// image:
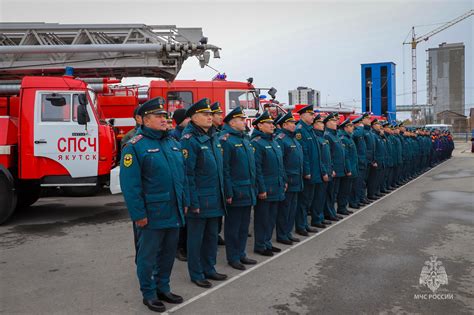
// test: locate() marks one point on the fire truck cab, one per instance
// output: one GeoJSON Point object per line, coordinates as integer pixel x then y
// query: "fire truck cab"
{"type": "Point", "coordinates": [52, 136]}
{"type": "Point", "coordinates": [183, 93]}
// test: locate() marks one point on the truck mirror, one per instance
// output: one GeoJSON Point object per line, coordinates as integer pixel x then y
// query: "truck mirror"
{"type": "Point", "coordinates": [82, 99]}
{"type": "Point", "coordinates": [56, 100]}
{"type": "Point", "coordinates": [272, 92]}
{"type": "Point", "coordinates": [82, 115]}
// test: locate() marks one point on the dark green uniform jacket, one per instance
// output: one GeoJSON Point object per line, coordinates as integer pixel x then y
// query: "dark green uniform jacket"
{"type": "Point", "coordinates": [152, 178]}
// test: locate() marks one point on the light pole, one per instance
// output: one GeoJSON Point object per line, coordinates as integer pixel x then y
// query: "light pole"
{"type": "Point", "coordinates": [369, 84]}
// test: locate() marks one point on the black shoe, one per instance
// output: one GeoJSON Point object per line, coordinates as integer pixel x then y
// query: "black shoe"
{"type": "Point", "coordinates": [155, 305]}
{"type": "Point", "coordinates": [275, 249]}
{"type": "Point", "coordinates": [249, 235]}
{"type": "Point", "coordinates": [333, 219]}
{"type": "Point", "coordinates": [301, 232]}
{"type": "Point", "coordinates": [181, 254]}
{"type": "Point", "coordinates": [248, 261]}
{"type": "Point", "coordinates": [170, 298]}
{"type": "Point", "coordinates": [326, 222]}
{"type": "Point", "coordinates": [220, 240]}
{"type": "Point", "coordinates": [340, 217]}
{"type": "Point", "coordinates": [354, 206]}
{"type": "Point", "coordinates": [373, 198]}
{"type": "Point", "coordinates": [202, 283]}
{"type": "Point", "coordinates": [342, 213]}
{"type": "Point", "coordinates": [264, 252]}
{"type": "Point", "coordinates": [311, 230]}
{"type": "Point", "coordinates": [237, 265]}
{"type": "Point", "coordinates": [294, 239]}
{"type": "Point", "coordinates": [286, 242]}
{"type": "Point", "coordinates": [216, 276]}
{"type": "Point", "coordinates": [318, 225]}
{"type": "Point", "coordinates": [350, 212]}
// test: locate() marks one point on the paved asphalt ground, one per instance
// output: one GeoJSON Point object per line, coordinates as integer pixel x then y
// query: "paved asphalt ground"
{"type": "Point", "coordinates": [76, 256]}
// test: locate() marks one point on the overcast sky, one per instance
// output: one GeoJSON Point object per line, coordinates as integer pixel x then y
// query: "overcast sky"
{"type": "Point", "coordinates": [286, 44]}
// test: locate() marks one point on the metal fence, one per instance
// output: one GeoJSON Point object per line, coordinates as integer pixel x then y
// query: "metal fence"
{"type": "Point", "coordinates": [462, 136]}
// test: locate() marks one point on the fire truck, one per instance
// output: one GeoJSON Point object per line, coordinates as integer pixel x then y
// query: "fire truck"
{"type": "Point", "coordinates": [183, 93]}
{"type": "Point", "coordinates": [52, 131]}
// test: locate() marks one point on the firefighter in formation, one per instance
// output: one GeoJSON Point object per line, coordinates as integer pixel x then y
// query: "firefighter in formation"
{"type": "Point", "coordinates": [297, 177]}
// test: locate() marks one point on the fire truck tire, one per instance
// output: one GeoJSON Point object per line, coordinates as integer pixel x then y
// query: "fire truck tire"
{"type": "Point", "coordinates": [28, 193]}
{"type": "Point", "coordinates": [81, 191]}
{"type": "Point", "coordinates": [8, 196]}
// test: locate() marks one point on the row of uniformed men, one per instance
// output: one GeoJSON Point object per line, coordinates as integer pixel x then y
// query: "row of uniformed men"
{"type": "Point", "coordinates": [301, 169]}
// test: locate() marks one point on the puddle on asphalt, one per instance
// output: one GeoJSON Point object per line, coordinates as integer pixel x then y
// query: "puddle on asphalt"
{"type": "Point", "coordinates": [450, 200]}
{"type": "Point", "coordinates": [19, 234]}
{"type": "Point", "coordinates": [454, 174]}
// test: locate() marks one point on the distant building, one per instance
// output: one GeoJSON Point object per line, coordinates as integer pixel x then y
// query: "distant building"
{"type": "Point", "coordinates": [458, 121]}
{"type": "Point", "coordinates": [378, 89]}
{"type": "Point", "coordinates": [304, 95]}
{"type": "Point", "coordinates": [445, 78]}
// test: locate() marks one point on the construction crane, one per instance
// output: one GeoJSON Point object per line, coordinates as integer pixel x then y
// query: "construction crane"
{"type": "Point", "coordinates": [415, 40]}
{"type": "Point", "coordinates": [99, 50]}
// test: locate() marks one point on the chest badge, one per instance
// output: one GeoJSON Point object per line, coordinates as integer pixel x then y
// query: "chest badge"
{"type": "Point", "coordinates": [185, 153]}
{"type": "Point", "coordinates": [127, 160]}
{"type": "Point", "coordinates": [298, 136]}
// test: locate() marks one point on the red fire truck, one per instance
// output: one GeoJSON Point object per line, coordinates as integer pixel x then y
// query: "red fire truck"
{"type": "Point", "coordinates": [52, 131]}
{"type": "Point", "coordinates": [183, 93]}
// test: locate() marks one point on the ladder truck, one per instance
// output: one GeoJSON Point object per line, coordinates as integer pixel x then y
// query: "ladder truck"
{"type": "Point", "coordinates": [52, 131]}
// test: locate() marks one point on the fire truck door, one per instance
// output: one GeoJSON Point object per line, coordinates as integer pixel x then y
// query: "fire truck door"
{"type": "Point", "coordinates": [59, 137]}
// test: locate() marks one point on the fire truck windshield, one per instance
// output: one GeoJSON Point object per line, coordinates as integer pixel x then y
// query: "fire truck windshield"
{"type": "Point", "coordinates": [245, 99]}
{"type": "Point", "coordinates": [93, 99]}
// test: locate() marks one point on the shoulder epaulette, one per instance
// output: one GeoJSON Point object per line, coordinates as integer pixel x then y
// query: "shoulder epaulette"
{"type": "Point", "coordinates": [281, 136]}
{"type": "Point", "coordinates": [136, 139]}
{"type": "Point", "coordinates": [224, 137]}
{"type": "Point", "coordinates": [299, 126]}
{"type": "Point", "coordinates": [256, 138]}
{"type": "Point", "coordinates": [187, 136]}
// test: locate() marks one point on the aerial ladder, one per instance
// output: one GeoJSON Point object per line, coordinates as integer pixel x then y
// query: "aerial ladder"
{"type": "Point", "coordinates": [99, 50]}
{"type": "Point", "coordinates": [415, 40]}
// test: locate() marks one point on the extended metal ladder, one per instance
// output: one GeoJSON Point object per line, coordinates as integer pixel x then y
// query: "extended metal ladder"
{"type": "Point", "coordinates": [99, 50]}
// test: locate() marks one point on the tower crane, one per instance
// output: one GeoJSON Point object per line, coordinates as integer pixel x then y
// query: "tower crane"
{"type": "Point", "coordinates": [415, 40]}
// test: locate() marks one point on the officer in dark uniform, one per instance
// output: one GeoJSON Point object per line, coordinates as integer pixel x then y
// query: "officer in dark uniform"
{"type": "Point", "coordinates": [390, 154]}
{"type": "Point", "coordinates": [311, 169]}
{"type": "Point", "coordinates": [217, 120]}
{"type": "Point", "coordinates": [325, 165]}
{"type": "Point", "coordinates": [217, 115]}
{"type": "Point", "coordinates": [338, 158]}
{"type": "Point", "coordinates": [357, 198]}
{"type": "Point", "coordinates": [271, 183]}
{"type": "Point", "coordinates": [239, 187]}
{"type": "Point", "coordinates": [181, 121]}
{"type": "Point", "coordinates": [293, 161]}
{"type": "Point", "coordinates": [155, 190]}
{"type": "Point", "coordinates": [377, 173]}
{"type": "Point", "coordinates": [371, 164]}
{"type": "Point", "coordinates": [399, 156]}
{"type": "Point", "coordinates": [346, 129]}
{"type": "Point", "coordinates": [131, 133]}
{"type": "Point", "coordinates": [204, 169]}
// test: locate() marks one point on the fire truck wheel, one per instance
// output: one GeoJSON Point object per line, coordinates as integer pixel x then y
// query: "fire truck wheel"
{"type": "Point", "coordinates": [28, 193]}
{"type": "Point", "coordinates": [8, 197]}
{"type": "Point", "coordinates": [81, 191]}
